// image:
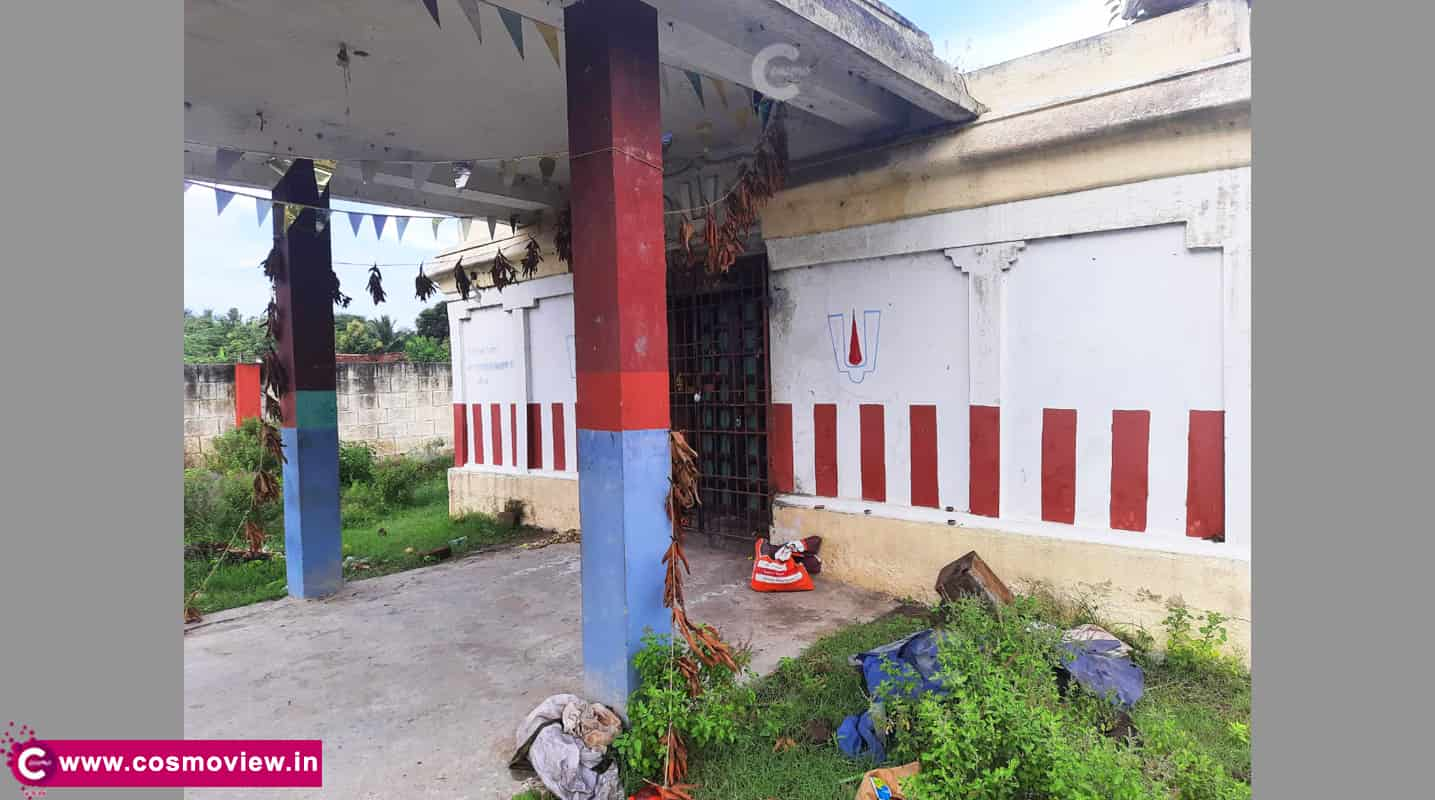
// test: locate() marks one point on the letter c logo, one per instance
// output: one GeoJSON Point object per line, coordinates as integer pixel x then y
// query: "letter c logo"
{"type": "Point", "coordinates": [22, 763]}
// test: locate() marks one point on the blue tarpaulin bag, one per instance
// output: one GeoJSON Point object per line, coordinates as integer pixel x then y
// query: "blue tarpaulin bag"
{"type": "Point", "coordinates": [1095, 667]}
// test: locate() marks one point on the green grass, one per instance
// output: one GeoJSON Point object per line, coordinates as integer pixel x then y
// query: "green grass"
{"type": "Point", "coordinates": [816, 688]}
{"type": "Point", "coordinates": [409, 532]}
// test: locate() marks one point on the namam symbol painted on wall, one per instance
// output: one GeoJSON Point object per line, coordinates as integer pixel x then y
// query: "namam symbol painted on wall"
{"type": "Point", "coordinates": [854, 347]}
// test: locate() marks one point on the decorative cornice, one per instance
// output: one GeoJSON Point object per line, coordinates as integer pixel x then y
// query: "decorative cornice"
{"type": "Point", "coordinates": [985, 259]}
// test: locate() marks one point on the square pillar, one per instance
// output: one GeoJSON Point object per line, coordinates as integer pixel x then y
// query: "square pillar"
{"type": "Point", "coordinates": [620, 323]}
{"type": "Point", "coordinates": [310, 428]}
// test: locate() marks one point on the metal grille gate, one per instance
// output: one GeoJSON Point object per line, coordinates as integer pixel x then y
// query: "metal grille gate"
{"type": "Point", "coordinates": [718, 360]}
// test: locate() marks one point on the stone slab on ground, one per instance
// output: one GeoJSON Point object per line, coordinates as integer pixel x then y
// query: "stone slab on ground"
{"type": "Point", "coordinates": [416, 681]}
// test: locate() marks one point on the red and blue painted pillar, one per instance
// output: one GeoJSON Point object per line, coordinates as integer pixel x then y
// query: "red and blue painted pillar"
{"type": "Point", "coordinates": [310, 427]}
{"type": "Point", "coordinates": [620, 320]}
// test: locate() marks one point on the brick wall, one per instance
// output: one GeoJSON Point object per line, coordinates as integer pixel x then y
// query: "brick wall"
{"type": "Point", "coordinates": [398, 407]}
{"type": "Point", "coordinates": [208, 407]}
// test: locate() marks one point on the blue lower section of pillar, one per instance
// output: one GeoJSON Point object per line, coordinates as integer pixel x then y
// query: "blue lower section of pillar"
{"type": "Point", "coordinates": [622, 486]}
{"type": "Point", "coordinates": [313, 549]}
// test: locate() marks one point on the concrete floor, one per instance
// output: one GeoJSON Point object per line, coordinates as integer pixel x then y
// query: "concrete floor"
{"type": "Point", "coordinates": [416, 681]}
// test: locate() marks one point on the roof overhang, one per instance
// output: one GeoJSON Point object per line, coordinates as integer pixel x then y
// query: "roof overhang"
{"type": "Point", "coordinates": [264, 77]}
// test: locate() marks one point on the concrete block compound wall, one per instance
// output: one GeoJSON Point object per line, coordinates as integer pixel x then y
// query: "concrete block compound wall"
{"type": "Point", "coordinates": [397, 407]}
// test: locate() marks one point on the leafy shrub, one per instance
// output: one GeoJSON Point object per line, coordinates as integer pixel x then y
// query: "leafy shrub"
{"type": "Point", "coordinates": [238, 449]}
{"type": "Point", "coordinates": [360, 504]}
{"type": "Point", "coordinates": [395, 480]}
{"type": "Point", "coordinates": [215, 504]}
{"type": "Point", "coordinates": [1199, 652]}
{"type": "Point", "coordinates": [356, 463]}
{"type": "Point", "coordinates": [708, 720]}
{"type": "Point", "coordinates": [423, 348]}
{"type": "Point", "coordinates": [1004, 731]}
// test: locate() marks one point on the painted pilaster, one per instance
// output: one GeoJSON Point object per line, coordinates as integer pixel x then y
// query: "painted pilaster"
{"type": "Point", "coordinates": [310, 428]}
{"type": "Point", "coordinates": [620, 323]}
{"type": "Point", "coordinates": [986, 265]}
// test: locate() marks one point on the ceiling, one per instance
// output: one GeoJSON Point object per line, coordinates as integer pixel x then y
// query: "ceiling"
{"type": "Point", "coordinates": [265, 77]}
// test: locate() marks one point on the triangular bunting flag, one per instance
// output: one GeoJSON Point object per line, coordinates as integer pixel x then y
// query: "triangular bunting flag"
{"type": "Point", "coordinates": [470, 10]}
{"type": "Point", "coordinates": [261, 210]}
{"type": "Point", "coordinates": [380, 222]}
{"type": "Point", "coordinates": [514, 24]}
{"type": "Point", "coordinates": [432, 6]}
{"type": "Point", "coordinates": [221, 200]}
{"type": "Point", "coordinates": [368, 169]}
{"type": "Point", "coordinates": [464, 223]}
{"type": "Point", "coordinates": [291, 213]}
{"type": "Point", "coordinates": [436, 222]}
{"type": "Point", "coordinates": [403, 223]}
{"type": "Point", "coordinates": [550, 38]}
{"type": "Point", "coordinates": [224, 161]}
{"type": "Point", "coordinates": [421, 175]}
{"type": "Point", "coordinates": [697, 81]}
{"type": "Point", "coordinates": [355, 220]}
{"type": "Point", "coordinates": [722, 89]}
{"type": "Point", "coordinates": [187, 184]}
{"type": "Point", "coordinates": [492, 226]}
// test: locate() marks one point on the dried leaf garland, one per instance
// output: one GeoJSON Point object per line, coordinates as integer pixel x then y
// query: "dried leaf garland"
{"type": "Point", "coordinates": [376, 285]}
{"type": "Point", "coordinates": [424, 287]}
{"type": "Point", "coordinates": [689, 670]}
{"type": "Point", "coordinates": [266, 487]}
{"type": "Point", "coordinates": [275, 376]}
{"type": "Point", "coordinates": [502, 272]}
{"type": "Point", "coordinates": [273, 326]}
{"type": "Point", "coordinates": [273, 442]}
{"type": "Point", "coordinates": [676, 766]}
{"type": "Point", "coordinates": [273, 264]}
{"type": "Point", "coordinates": [272, 409]}
{"type": "Point", "coordinates": [253, 536]}
{"type": "Point", "coordinates": [563, 236]}
{"type": "Point", "coordinates": [532, 257]}
{"type": "Point", "coordinates": [676, 791]}
{"type": "Point", "coordinates": [340, 299]}
{"type": "Point", "coordinates": [460, 278]}
{"type": "Point", "coordinates": [685, 239]}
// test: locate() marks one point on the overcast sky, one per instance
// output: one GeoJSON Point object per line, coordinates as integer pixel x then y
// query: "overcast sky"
{"type": "Point", "coordinates": [222, 252]}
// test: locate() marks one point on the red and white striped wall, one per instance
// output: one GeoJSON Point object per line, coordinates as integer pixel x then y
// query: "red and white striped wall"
{"type": "Point", "coordinates": [1072, 380]}
{"type": "Point", "coordinates": [528, 436]}
{"type": "Point", "coordinates": [515, 387]}
{"type": "Point", "coordinates": [890, 454]}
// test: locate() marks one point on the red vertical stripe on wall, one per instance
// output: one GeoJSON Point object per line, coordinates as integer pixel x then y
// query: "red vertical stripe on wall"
{"type": "Point", "coordinates": [984, 482]}
{"type": "Point", "coordinates": [1058, 465]}
{"type": "Point", "coordinates": [513, 433]}
{"type": "Point", "coordinates": [495, 415]}
{"type": "Point", "coordinates": [535, 436]}
{"type": "Point", "coordinates": [1206, 475]}
{"type": "Point", "coordinates": [924, 456]}
{"type": "Point", "coordinates": [247, 394]}
{"type": "Point", "coordinates": [874, 452]}
{"type": "Point", "coordinates": [824, 450]}
{"type": "Point", "coordinates": [779, 447]}
{"type": "Point", "coordinates": [460, 434]}
{"type": "Point", "coordinates": [478, 433]}
{"type": "Point", "coordinates": [560, 458]}
{"type": "Point", "coordinates": [1130, 452]}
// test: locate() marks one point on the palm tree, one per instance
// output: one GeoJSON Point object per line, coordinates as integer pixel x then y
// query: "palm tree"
{"type": "Point", "coordinates": [390, 339]}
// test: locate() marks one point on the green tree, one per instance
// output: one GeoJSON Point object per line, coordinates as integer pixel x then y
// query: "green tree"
{"type": "Point", "coordinates": [228, 339]}
{"type": "Point", "coordinates": [424, 349]}
{"type": "Point", "coordinates": [433, 322]}
{"type": "Point", "coordinates": [355, 338]}
{"type": "Point", "coordinates": [390, 339]}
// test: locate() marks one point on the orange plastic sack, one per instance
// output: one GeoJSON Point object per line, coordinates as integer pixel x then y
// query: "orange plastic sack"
{"type": "Point", "coordinates": [778, 575]}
